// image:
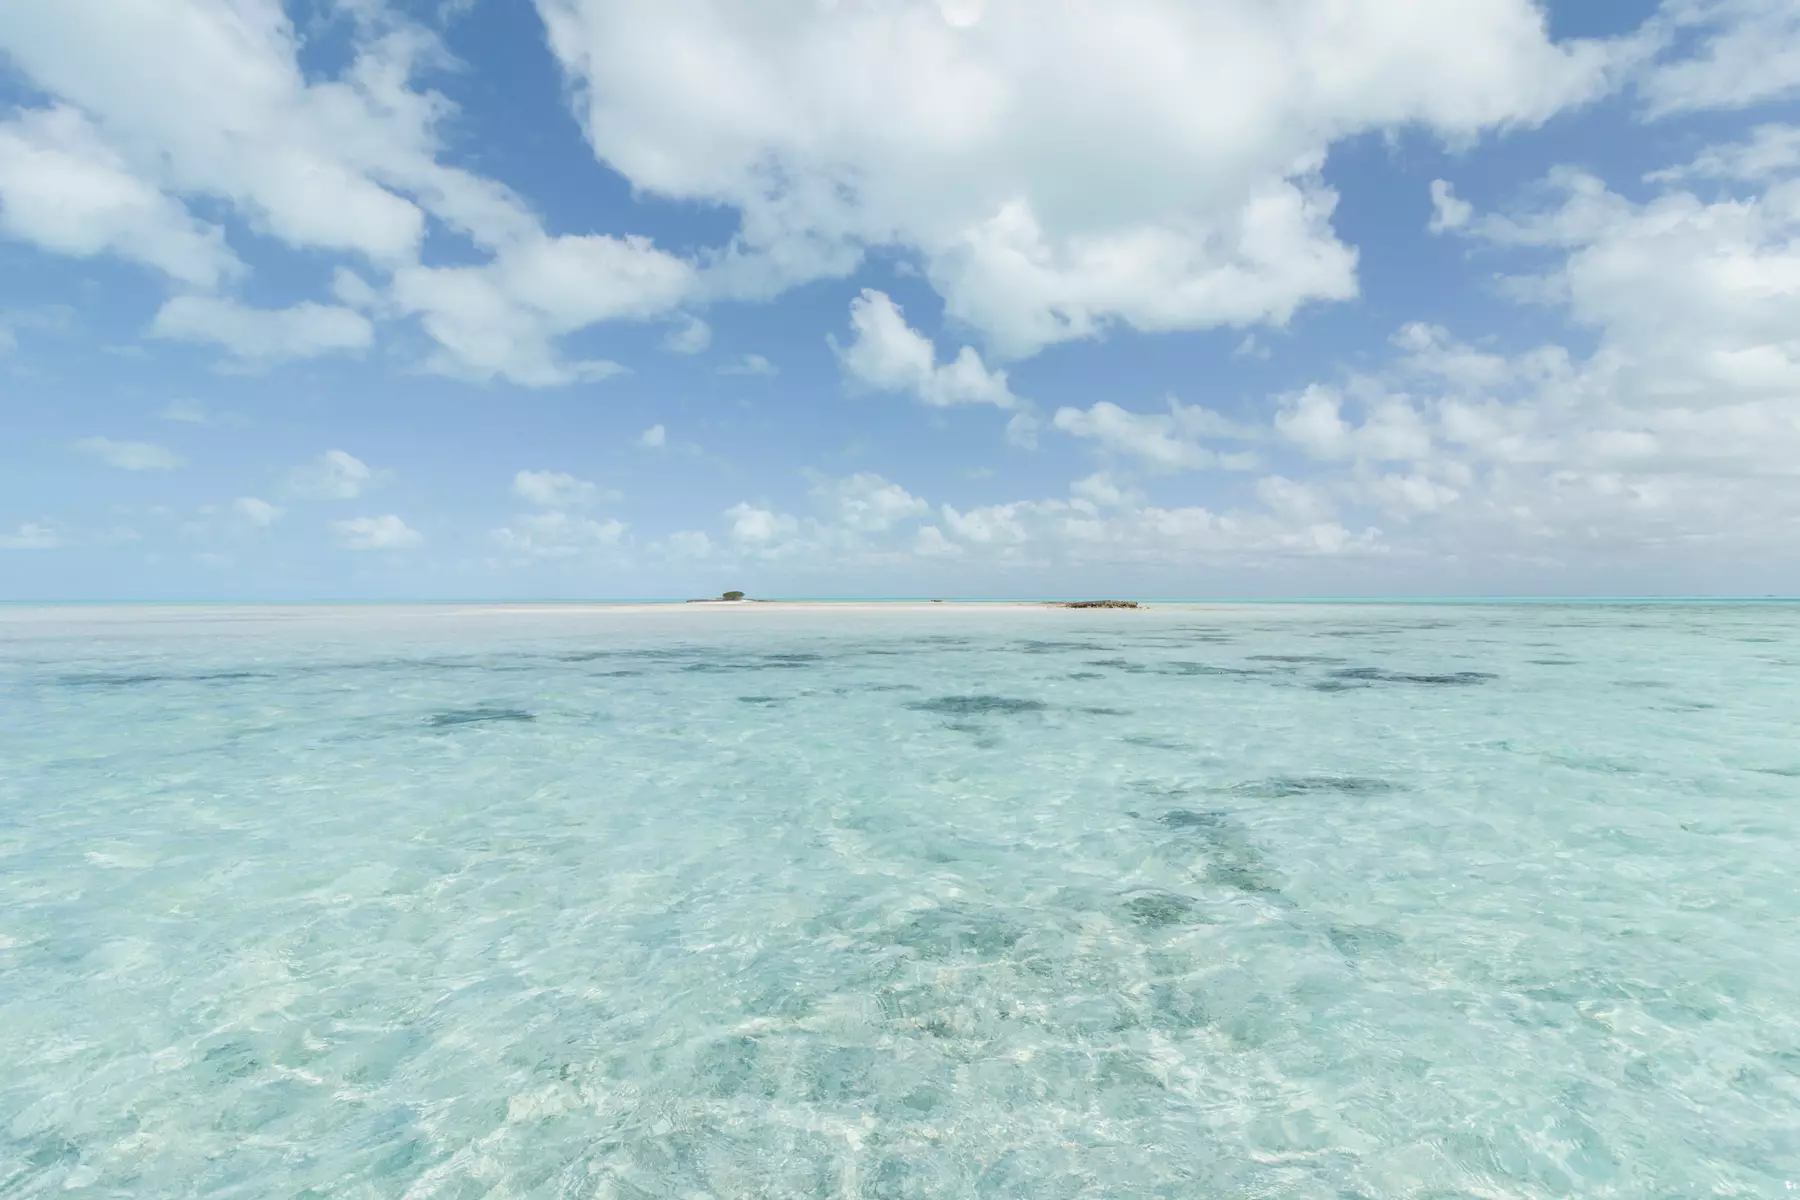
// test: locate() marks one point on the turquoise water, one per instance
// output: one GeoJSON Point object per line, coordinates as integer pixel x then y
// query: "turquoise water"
{"type": "Point", "coordinates": [1263, 902]}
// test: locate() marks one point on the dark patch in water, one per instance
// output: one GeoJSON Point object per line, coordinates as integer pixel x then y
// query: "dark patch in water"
{"type": "Point", "coordinates": [955, 930]}
{"type": "Point", "coordinates": [1232, 860]}
{"type": "Point", "coordinates": [1159, 910]}
{"type": "Point", "coordinates": [615, 674]}
{"type": "Point", "coordinates": [109, 680]}
{"type": "Point", "coordinates": [1086, 675]}
{"type": "Point", "coordinates": [1182, 818]}
{"type": "Point", "coordinates": [1153, 743]}
{"type": "Point", "coordinates": [1246, 872]}
{"type": "Point", "coordinates": [1194, 668]}
{"type": "Point", "coordinates": [1057, 647]}
{"type": "Point", "coordinates": [1104, 712]}
{"type": "Point", "coordinates": [761, 700]}
{"type": "Point", "coordinates": [477, 716]}
{"type": "Point", "coordinates": [773, 663]}
{"type": "Point", "coordinates": [890, 687]}
{"type": "Point", "coordinates": [984, 737]}
{"type": "Point", "coordinates": [974, 706]}
{"type": "Point", "coordinates": [1353, 941]}
{"type": "Point", "coordinates": [1445, 679]}
{"type": "Point", "coordinates": [1307, 785]}
{"type": "Point", "coordinates": [1326, 659]}
{"type": "Point", "coordinates": [1551, 662]}
{"type": "Point", "coordinates": [793, 660]}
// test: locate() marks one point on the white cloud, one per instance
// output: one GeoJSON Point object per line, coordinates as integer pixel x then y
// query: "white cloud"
{"type": "Point", "coordinates": [553, 489]}
{"type": "Point", "coordinates": [692, 336]}
{"type": "Point", "coordinates": [1299, 502]}
{"type": "Point", "coordinates": [502, 320]}
{"type": "Point", "coordinates": [377, 533]}
{"type": "Point", "coordinates": [689, 543]}
{"type": "Point", "coordinates": [64, 189]}
{"type": "Point", "coordinates": [130, 456]}
{"type": "Point", "coordinates": [930, 542]}
{"type": "Point", "coordinates": [1770, 152]}
{"type": "Point", "coordinates": [334, 475]}
{"type": "Point", "coordinates": [207, 100]}
{"type": "Point", "coordinates": [1673, 439]}
{"type": "Point", "coordinates": [1047, 533]}
{"type": "Point", "coordinates": [1165, 442]}
{"type": "Point", "coordinates": [1432, 351]}
{"type": "Point", "coordinates": [558, 535]}
{"type": "Point", "coordinates": [1391, 429]}
{"type": "Point", "coordinates": [189, 412]}
{"type": "Point", "coordinates": [259, 336]}
{"type": "Point", "coordinates": [1101, 490]}
{"type": "Point", "coordinates": [755, 526]}
{"type": "Point", "coordinates": [867, 503]}
{"type": "Point", "coordinates": [889, 355]}
{"type": "Point", "coordinates": [653, 438]}
{"type": "Point", "coordinates": [32, 535]}
{"type": "Point", "coordinates": [259, 513]}
{"type": "Point", "coordinates": [751, 364]}
{"type": "Point", "coordinates": [1181, 189]}
{"type": "Point", "coordinates": [1748, 53]}
{"type": "Point", "coordinates": [1251, 347]}
{"type": "Point", "coordinates": [353, 291]}
{"type": "Point", "coordinates": [210, 98]}
{"type": "Point", "coordinates": [1448, 212]}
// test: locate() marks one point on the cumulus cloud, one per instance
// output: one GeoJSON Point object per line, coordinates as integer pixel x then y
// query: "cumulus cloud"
{"type": "Point", "coordinates": [653, 438]}
{"type": "Point", "coordinates": [193, 101]}
{"type": "Point", "coordinates": [32, 535]}
{"type": "Point", "coordinates": [258, 513]}
{"type": "Point", "coordinates": [130, 456]}
{"type": "Point", "coordinates": [263, 336]}
{"type": "Point", "coordinates": [1391, 428]}
{"type": "Point", "coordinates": [692, 336]}
{"type": "Point", "coordinates": [1168, 442]}
{"type": "Point", "coordinates": [688, 543]}
{"type": "Point", "coordinates": [867, 520]}
{"type": "Point", "coordinates": [1747, 52]}
{"type": "Point", "coordinates": [189, 412]}
{"type": "Point", "coordinates": [887, 354]}
{"type": "Point", "coordinates": [557, 534]}
{"type": "Point", "coordinates": [502, 319]}
{"type": "Point", "coordinates": [553, 489]}
{"type": "Point", "coordinates": [867, 503]}
{"type": "Point", "coordinates": [334, 475]}
{"type": "Point", "coordinates": [1199, 131]}
{"type": "Point", "coordinates": [1675, 434]}
{"type": "Point", "coordinates": [63, 188]}
{"type": "Point", "coordinates": [751, 364]}
{"type": "Point", "coordinates": [754, 525]}
{"type": "Point", "coordinates": [377, 533]}
{"type": "Point", "coordinates": [1770, 152]}
{"type": "Point", "coordinates": [1448, 212]}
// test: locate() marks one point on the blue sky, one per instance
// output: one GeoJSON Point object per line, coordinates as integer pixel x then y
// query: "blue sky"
{"type": "Point", "coordinates": [372, 299]}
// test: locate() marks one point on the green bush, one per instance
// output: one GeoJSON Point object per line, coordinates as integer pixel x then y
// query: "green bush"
{"type": "Point", "coordinates": [732, 596]}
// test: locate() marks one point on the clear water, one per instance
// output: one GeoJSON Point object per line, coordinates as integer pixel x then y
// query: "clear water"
{"type": "Point", "coordinates": [1371, 902]}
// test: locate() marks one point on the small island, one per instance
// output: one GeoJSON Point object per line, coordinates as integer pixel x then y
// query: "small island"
{"type": "Point", "coordinates": [1098, 604]}
{"type": "Point", "coordinates": [721, 598]}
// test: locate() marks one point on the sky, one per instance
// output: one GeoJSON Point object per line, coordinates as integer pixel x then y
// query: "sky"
{"type": "Point", "coordinates": [393, 299]}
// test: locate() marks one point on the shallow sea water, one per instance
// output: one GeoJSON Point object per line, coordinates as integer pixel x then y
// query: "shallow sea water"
{"type": "Point", "coordinates": [1263, 902]}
